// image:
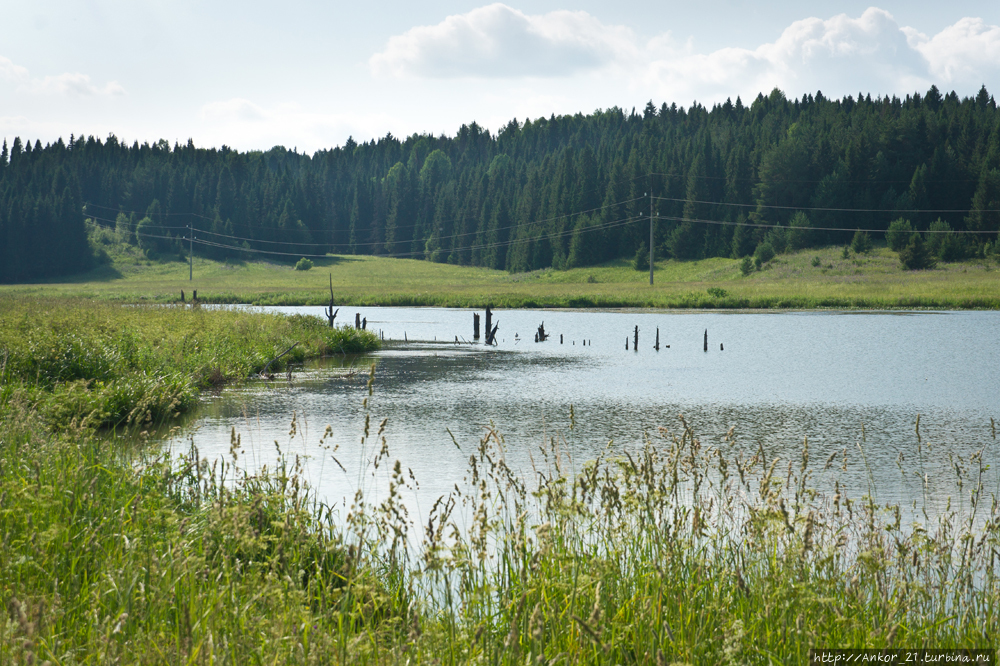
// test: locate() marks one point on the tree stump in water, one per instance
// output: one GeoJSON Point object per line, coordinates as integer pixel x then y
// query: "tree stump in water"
{"type": "Point", "coordinates": [475, 325]}
{"type": "Point", "coordinates": [491, 336]}
{"type": "Point", "coordinates": [706, 339]}
{"type": "Point", "coordinates": [635, 344]}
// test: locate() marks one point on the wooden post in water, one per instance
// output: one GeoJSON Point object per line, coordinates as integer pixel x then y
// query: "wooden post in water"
{"type": "Point", "coordinates": [657, 345]}
{"type": "Point", "coordinates": [475, 325]}
{"type": "Point", "coordinates": [329, 311]}
{"type": "Point", "coordinates": [635, 344]}
{"type": "Point", "coordinates": [364, 323]}
{"type": "Point", "coordinates": [182, 296]}
{"type": "Point", "coordinates": [626, 343]}
{"type": "Point", "coordinates": [721, 348]}
{"type": "Point", "coordinates": [560, 338]}
{"type": "Point", "coordinates": [706, 339]}
{"type": "Point", "coordinates": [489, 323]}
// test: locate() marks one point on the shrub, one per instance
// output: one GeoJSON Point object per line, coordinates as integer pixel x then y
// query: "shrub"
{"type": "Point", "coordinates": [861, 243]}
{"type": "Point", "coordinates": [898, 234]}
{"type": "Point", "coordinates": [717, 292]}
{"type": "Point", "coordinates": [746, 266]}
{"type": "Point", "coordinates": [815, 262]}
{"type": "Point", "coordinates": [303, 264]}
{"type": "Point", "coordinates": [915, 256]}
{"type": "Point", "coordinates": [846, 254]}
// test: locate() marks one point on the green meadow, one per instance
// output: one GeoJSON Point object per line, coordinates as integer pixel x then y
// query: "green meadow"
{"type": "Point", "coordinates": [813, 278]}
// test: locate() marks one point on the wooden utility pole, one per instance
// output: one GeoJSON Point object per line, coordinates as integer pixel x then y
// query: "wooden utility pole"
{"type": "Point", "coordinates": [650, 229]}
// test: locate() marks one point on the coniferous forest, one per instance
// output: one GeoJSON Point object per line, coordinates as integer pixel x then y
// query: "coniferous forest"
{"type": "Point", "coordinates": [560, 191]}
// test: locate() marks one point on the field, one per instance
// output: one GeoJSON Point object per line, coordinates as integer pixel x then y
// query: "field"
{"type": "Point", "coordinates": [807, 279]}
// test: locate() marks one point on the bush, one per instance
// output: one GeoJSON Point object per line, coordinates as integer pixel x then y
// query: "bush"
{"type": "Point", "coordinates": [846, 254]}
{"type": "Point", "coordinates": [861, 243]}
{"type": "Point", "coordinates": [815, 262]}
{"type": "Point", "coordinates": [915, 256]}
{"type": "Point", "coordinates": [303, 264]}
{"type": "Point", "coordinates": [746, 266]}
{"type": "Point", "coordinates": [898, 234]}
{"type": "Point", "coordinates": [717, 292]}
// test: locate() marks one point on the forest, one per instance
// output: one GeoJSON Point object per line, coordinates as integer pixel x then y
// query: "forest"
{"type": "Point", "coordinates": [557, 192]}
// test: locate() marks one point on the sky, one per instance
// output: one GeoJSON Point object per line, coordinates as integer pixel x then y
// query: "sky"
{"type": "Point", "coordinates": [307, 75]}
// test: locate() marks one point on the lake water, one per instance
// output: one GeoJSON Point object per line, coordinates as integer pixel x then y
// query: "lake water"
{"type": "Point", "coordinates": [840, 379]}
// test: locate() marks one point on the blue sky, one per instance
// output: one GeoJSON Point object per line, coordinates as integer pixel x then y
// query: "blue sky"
{"type": "Point", "coordinates": [308, 74]}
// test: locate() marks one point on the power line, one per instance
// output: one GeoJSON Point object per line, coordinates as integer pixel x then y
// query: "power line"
{"type": "Point", "coordinates": [832, 210]}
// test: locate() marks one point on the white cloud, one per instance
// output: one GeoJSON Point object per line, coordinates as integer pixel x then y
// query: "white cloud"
{"type": "Point", "coordinates": [70, 83]}
{"type": "Point", "coordinates": [11, 72]}
{"type": "Point", "coordinates": [74, 84]}
{"type": "Point", "coordinates": [498, 41]}
{"type": "Point", "coordinates": [840, 56]}
{"type": "Point", "coordinates": [966, 53]}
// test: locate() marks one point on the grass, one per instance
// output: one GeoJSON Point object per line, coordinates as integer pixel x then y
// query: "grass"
{"type": "Point", "coordinates": [100, 364]}
{"type": "Point", "coordinates": [874, 280]}
{"type": "Point", "coordinates": [680, 551]}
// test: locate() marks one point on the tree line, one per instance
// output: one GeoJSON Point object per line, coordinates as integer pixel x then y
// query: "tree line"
{"type": "Point", "coordinates": [561, 191]}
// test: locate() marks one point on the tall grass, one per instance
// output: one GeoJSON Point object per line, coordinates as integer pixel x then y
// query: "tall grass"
{"type": "Point", "coordinates": [679, 551]}
{"type": "Point", "coordinates": [104, 364]}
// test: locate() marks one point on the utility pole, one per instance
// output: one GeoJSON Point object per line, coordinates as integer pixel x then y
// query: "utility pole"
{"type": "Point", "coordinates": [190, 253]}
{"type": "Point", "coordinates": [651, 229]}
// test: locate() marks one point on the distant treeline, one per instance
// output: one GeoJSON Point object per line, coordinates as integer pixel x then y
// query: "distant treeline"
{"type": "Point", "coordinates": [562, 191]}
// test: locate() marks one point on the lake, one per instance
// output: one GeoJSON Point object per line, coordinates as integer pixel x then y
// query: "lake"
{"type": "Point", "coordinates": [844, 380]}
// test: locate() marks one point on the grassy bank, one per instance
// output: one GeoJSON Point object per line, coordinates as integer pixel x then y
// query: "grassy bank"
{"type": "Point", "coordinates": [807, 279]}
{"type": "Point", "coordinates": [682, 551]}
{"type": "Point", "coordinates": [102, 364]}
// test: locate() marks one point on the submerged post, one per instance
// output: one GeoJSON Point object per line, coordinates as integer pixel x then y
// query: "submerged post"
{"type": "Point", "coordinates": [706, 339]}
{"type": "Point", "coordinates": [329, 311]}
{"type": "Point", "coordinates": [475, 325]}
{"type": "Point", "coordinates": [489, 322]}
{"type": "Point", "coordinates": [357, 321]}
{"type": "Point", "coordinates": [635, 343]}
{"type": "Point", "coordinates": [657, 345]}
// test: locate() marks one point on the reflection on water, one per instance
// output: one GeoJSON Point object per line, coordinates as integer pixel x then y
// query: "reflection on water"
{"type": "Point", "coordinates": [854, 383]}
